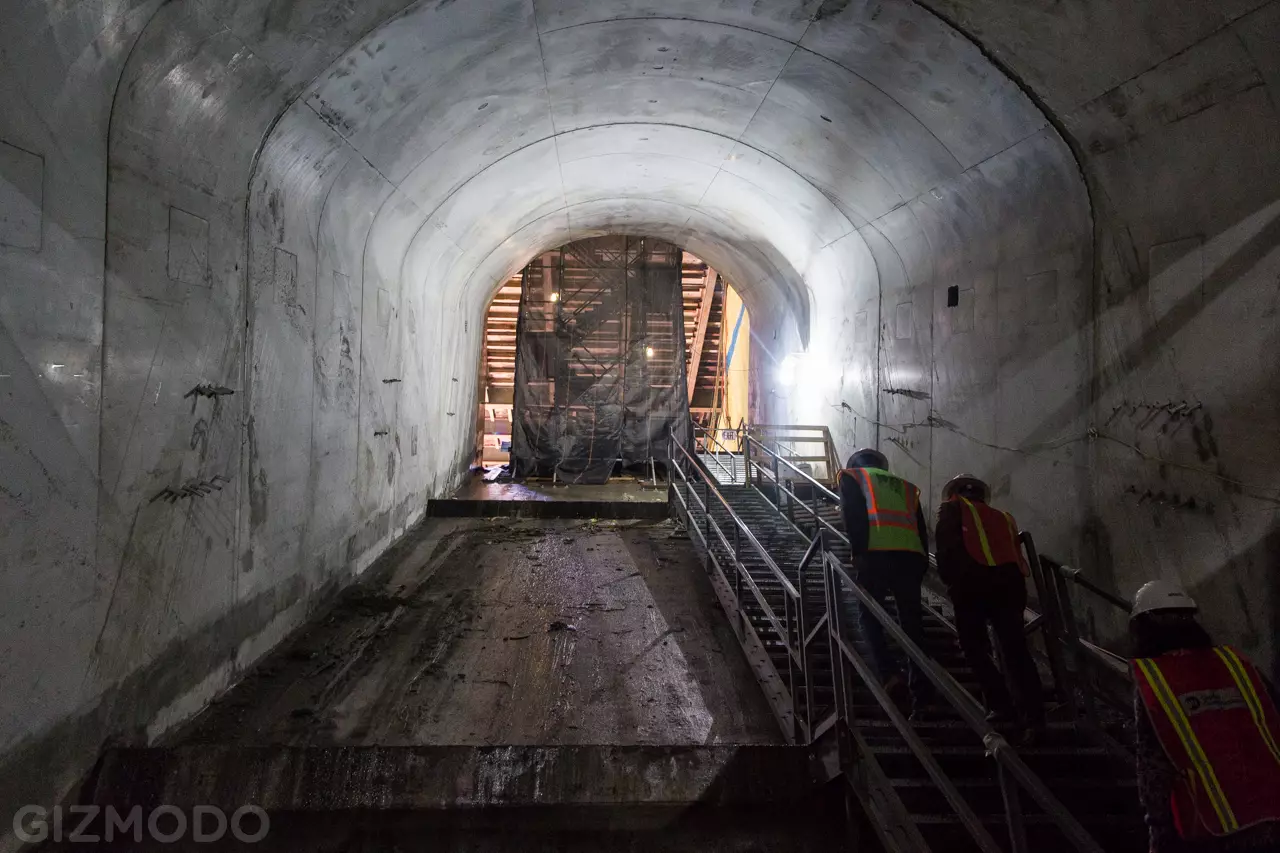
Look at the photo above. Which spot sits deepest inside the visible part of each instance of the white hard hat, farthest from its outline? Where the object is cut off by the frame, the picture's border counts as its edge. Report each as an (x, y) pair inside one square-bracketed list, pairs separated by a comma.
[(1161, 595)]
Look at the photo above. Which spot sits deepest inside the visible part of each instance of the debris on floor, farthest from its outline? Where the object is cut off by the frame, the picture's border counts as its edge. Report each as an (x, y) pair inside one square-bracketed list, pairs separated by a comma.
[(462, 629)]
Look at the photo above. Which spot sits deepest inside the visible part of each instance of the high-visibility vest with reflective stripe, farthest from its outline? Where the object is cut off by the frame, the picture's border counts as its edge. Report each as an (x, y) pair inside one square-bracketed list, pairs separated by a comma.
[(1219, 726), (990, 536), (892, 505)]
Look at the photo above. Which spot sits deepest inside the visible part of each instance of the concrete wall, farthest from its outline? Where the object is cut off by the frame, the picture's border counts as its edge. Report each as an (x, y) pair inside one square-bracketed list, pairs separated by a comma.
[(301, 201), (60, 70), (129, 140), (1170, 117)]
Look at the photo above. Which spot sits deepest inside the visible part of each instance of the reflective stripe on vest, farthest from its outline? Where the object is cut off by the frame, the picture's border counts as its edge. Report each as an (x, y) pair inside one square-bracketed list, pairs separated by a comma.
[(994, 545), (892, 507), (1241, 676), (1219, 728), (1195, 754)]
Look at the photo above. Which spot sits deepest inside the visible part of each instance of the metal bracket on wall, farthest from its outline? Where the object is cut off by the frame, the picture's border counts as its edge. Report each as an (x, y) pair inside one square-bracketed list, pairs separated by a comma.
[(390, 381), (379, 432), (192, 489), (1174, 501), (205, 389), (1172, 408), (908, 392)]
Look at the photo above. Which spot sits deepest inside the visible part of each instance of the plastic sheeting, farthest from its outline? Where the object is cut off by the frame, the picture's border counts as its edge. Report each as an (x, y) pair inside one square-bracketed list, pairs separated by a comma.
[(600, 359)]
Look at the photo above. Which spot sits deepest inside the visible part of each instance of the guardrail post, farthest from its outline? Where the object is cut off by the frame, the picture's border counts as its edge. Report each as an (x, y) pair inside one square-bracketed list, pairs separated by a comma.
[(1053, 630), (777, 488), (706, 508), (788, 622), (1082, 678), (803, 647), (835, 632), (737, 578)]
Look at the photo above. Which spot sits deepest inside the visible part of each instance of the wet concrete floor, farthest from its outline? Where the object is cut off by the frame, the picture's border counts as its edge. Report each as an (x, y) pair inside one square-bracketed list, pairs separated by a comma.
[(501, 631)]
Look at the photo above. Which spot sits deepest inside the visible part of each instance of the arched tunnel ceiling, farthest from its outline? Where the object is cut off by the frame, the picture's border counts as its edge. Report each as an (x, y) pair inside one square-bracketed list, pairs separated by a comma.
[(758, 135)]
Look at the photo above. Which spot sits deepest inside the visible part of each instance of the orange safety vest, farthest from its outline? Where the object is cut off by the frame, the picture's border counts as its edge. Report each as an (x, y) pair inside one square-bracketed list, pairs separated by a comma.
[(1218, 725), (892, 507), (990, 536)]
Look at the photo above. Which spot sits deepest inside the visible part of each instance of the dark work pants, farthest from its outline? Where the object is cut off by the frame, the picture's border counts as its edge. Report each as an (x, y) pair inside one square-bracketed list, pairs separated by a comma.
[(998, 596), (899, 574)]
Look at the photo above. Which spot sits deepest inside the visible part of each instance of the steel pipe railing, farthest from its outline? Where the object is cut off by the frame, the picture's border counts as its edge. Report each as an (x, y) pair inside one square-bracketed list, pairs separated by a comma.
[(793, 628), (1077, 577), (1078, 658), (820, 491), (971, 713), (710, 435), (741, 532)]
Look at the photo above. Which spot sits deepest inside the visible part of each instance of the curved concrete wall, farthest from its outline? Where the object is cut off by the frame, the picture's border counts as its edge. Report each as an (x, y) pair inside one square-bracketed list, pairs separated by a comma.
[(303, 201)]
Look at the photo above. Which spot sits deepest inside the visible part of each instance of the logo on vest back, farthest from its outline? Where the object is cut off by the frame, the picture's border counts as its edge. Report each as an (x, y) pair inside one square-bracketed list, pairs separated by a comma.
[(1199, 701), (893, 484)]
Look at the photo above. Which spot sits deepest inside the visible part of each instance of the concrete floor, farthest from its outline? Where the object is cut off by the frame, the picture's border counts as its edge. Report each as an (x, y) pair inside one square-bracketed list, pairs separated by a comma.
[(509, 632), (617, 489)]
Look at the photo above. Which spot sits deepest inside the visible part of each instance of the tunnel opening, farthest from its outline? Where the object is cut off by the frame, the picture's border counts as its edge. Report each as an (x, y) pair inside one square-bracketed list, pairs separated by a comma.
[(597, 353), (600, 383)]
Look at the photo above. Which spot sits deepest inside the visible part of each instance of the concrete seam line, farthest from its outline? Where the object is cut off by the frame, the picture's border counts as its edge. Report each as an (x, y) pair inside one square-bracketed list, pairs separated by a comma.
[(1004, 68)]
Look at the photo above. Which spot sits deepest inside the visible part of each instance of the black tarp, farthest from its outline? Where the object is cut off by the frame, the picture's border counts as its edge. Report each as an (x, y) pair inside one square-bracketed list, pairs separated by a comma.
[(600, 359)]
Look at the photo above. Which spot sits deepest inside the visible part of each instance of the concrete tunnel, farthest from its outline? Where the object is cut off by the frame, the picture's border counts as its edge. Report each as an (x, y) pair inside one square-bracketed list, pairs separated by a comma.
[(1038, 242)]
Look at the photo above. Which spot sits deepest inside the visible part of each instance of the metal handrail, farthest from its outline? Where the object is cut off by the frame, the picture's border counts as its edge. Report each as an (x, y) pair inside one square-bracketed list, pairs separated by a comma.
[(792, 466), (711, 434), (1076, 682), (824, 438), (972, 715), (1039, 621), (782, 628), (1107, 658), (794, 616), (708, 433), (741, 525), (1077, 577), (819, 521), (1014, 776)]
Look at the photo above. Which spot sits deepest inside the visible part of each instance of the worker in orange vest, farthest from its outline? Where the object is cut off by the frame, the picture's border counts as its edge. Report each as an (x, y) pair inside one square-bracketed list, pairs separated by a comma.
[(1208, 733), (889, 539), (980, 562)]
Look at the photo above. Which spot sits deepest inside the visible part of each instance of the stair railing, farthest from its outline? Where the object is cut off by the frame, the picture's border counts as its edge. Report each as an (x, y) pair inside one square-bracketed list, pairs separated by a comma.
[(1013, 773), (791, 626), (1015, 777), (1070, 656), (792, 501), (785, 437), (709, 438), (1079, 660)]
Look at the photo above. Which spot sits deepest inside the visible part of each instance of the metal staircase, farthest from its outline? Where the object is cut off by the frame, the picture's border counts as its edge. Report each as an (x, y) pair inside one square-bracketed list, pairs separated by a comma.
[(778, 558), (725, 468)]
